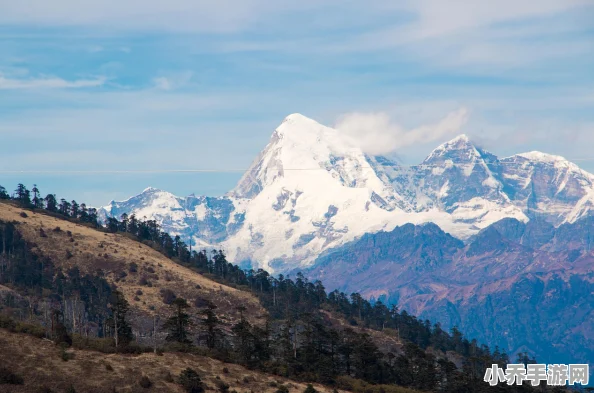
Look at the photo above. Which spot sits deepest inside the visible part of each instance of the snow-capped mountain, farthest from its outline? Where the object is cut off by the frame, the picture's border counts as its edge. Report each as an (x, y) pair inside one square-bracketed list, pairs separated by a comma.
[(312, 189)]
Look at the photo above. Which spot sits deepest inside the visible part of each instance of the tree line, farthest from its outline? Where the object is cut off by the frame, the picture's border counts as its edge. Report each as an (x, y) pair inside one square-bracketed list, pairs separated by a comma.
[(297, 341)]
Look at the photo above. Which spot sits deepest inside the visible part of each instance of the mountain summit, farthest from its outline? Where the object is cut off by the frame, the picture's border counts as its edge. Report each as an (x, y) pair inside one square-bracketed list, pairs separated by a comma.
[(460, 150), (311, 189)]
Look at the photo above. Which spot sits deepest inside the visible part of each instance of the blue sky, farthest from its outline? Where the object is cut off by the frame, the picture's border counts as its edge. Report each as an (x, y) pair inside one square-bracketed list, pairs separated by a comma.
[(152, 85)]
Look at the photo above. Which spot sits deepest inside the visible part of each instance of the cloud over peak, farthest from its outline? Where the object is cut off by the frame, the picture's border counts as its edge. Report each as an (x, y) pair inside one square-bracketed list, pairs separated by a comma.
[(376, 133)]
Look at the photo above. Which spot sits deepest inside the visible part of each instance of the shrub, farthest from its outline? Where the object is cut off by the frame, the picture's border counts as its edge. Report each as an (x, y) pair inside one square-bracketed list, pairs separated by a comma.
[(65, 356), (139, 293), (225, 370), (282, 389), (108, 367), (222, 386), (68, 254), (310, 389), (28, 328), (145, 382), (71, 389), (190, 381), (133, 268), (57, 229), (23, 214), (150, 269), (168, 296), (7, 323), (9, 378), (42, 233), (168, 377)]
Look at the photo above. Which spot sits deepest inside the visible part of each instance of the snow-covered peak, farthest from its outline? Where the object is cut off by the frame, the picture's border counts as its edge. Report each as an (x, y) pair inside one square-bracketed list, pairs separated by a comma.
[(312, 188), (540, 156), (557, 161), (302, 151), (459, 150), (532, 158), (462, 138)]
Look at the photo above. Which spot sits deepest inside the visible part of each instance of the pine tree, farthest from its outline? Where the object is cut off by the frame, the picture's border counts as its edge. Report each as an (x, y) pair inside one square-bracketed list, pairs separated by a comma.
[(83, 214), (23, 195), (64, 207), (92, 218), (37, 200), (122, 332), (51, 204), (211, 321), (244, 341), (3, 193), (177, 325), (74, 209)]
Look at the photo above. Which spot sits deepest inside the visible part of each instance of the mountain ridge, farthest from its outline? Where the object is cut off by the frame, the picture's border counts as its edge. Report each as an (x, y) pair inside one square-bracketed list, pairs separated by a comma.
[(312, 189), (512, 285)]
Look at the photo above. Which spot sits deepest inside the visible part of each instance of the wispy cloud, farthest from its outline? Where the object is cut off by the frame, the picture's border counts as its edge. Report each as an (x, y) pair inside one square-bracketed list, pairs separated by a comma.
[(376, 133), (47, 83), (173, 81)]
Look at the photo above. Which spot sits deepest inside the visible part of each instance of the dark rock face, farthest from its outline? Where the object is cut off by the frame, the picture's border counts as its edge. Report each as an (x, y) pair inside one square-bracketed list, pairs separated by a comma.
[(522, 287)]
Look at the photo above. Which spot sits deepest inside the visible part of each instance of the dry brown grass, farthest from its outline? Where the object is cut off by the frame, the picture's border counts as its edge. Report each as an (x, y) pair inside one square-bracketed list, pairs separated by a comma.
[(92, 250), (39, 363)]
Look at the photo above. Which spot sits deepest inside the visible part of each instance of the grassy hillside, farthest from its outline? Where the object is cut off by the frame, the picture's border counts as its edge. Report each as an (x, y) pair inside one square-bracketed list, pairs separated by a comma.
[(39, 363), (114, 254)]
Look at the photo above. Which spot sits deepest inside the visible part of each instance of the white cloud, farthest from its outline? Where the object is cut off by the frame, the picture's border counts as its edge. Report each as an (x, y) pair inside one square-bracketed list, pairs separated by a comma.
[(162, 83), (430, 17), (375, 133), (47, 83), (173, 81)]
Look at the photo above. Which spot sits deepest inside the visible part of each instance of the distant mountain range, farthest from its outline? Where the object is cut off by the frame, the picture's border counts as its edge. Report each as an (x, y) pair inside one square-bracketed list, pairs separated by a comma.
[(521, 286), (500, 247), (311, 190)]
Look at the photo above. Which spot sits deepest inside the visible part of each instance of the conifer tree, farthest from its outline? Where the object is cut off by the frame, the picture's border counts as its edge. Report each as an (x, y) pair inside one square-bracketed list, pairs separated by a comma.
[(3, 193), (244, 341), (74, 209), (23, 195), (64, 207), (51, 204), (83, 214), (122, 332), (178, 324), (211, 321), (37, 200)]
